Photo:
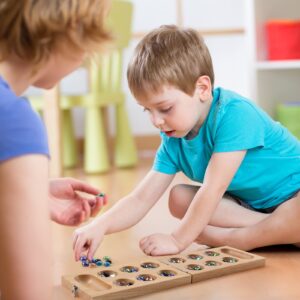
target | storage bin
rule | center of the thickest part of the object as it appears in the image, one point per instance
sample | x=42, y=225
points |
x=283, y=39
x=288, y=114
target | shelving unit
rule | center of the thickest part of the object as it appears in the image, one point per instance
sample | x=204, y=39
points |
x=278, y=65
x=272, y=82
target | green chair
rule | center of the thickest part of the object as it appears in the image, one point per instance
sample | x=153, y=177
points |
x=105, y=74
x=288, y=114
x=69, y=145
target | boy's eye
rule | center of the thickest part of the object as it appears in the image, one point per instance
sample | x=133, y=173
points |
x=165, y=110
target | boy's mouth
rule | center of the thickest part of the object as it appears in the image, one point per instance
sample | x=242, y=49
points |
x=169, y=132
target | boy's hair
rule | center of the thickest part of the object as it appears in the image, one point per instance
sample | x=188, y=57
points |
x=169, y=55
x=31, y=29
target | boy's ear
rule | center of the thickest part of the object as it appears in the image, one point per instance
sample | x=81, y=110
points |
x=203, y=88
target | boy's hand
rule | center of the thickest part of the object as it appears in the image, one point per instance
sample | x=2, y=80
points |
x=88, y=238
x=67, y=206
x=160, y=244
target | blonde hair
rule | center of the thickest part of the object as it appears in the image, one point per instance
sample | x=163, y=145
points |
x=169, y=55
x=31, y=29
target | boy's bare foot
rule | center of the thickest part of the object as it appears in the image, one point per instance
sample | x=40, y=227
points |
x=218, y=236
x=214, y=236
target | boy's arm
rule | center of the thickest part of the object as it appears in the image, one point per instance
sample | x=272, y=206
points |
x=125, y=213
x=219, y=173
x=132, y=208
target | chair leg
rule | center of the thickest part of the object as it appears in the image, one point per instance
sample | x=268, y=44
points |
x=70, y=153
x=125, y=149
x=96, y=159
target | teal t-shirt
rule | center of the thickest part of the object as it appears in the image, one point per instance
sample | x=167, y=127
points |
x=270, y=171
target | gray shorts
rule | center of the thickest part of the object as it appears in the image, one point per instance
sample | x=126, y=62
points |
x=268, y=210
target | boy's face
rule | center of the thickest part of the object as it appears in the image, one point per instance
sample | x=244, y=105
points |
x=174, y=112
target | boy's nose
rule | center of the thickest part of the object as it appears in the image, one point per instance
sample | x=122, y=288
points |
x=157, y=120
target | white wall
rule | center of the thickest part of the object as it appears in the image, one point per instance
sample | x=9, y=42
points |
x=228, y=51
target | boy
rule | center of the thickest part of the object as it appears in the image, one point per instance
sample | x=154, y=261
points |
x=40, y=42
x=215, y=137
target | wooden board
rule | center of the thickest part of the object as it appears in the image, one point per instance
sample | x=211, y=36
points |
x=92, y=286
x=214, y=262
x=103, y=282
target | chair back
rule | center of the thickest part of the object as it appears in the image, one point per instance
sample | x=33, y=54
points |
x=106, y=73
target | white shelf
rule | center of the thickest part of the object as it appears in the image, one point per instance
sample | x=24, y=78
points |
x=278, y=65
x=272, y=81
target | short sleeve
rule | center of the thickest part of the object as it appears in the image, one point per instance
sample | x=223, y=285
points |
x=22, y=130
x=240, y=127
x=163, y=161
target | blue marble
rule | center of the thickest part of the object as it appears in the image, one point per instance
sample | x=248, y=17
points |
x=83, y=258
x=107, y=264
x=85, y=263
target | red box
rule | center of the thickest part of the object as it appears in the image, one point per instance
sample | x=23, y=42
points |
x=283, y=39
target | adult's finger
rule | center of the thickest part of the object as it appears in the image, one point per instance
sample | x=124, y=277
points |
x=81, y=186
x=97, y=206
x=86, y=209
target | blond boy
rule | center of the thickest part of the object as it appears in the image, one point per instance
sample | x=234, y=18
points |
x=215, y=137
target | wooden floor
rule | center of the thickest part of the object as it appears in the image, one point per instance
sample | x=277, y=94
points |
x=279, y=279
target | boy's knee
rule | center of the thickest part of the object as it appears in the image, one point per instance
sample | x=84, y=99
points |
x=174, y=200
